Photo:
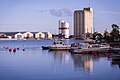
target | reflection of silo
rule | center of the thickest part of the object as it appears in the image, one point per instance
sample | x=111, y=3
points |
x=64, y=28
x=88, y=64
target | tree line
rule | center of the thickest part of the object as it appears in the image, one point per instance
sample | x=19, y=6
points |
x=113, y=36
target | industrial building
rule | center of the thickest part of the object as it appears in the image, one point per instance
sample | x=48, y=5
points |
x=83, y=23
x=64, y=28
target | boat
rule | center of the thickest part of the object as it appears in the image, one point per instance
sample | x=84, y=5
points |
x=59, y=46
x=92, y=48
x=45, y=47
x=114, y=50
x=76, y=46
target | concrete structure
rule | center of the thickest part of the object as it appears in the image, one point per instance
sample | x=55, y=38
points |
x=19, y=36
x=83, y=22
x=28, y=35
x=64, y=28
x=39, y=35
x=47, y=35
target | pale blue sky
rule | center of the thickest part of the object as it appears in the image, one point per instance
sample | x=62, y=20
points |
x=43, y=15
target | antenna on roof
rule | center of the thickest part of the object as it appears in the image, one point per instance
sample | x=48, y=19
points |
x=89, y=4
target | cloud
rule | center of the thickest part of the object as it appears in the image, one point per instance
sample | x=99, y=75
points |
x=57, y=13
x=61, y=12
x=42, y=11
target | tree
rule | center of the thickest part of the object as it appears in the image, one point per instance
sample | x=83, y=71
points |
x=94, y=35
x=106, y=35
x=115, y=32
x=97, y=36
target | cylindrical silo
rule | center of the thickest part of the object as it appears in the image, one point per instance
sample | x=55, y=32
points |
x=64, y=28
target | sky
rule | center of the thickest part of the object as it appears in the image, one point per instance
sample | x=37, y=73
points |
x=43, y=15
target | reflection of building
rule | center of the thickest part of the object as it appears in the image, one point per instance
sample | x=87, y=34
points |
x=83, y=62
x=78, y=61
x=88, y=64
x=116, y=63
x=83, y=22
x=62, y=56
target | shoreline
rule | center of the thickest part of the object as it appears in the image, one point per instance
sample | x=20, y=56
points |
x=31, y=39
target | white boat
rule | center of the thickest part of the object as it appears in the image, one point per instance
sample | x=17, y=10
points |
x=93, y=47
x=59, y=45
x=76, y=46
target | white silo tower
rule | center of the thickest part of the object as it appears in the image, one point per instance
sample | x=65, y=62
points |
x=64, y=28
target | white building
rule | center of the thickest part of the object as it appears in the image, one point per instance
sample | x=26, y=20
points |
x=48, y=35
x=39, y=35
x=19, y=36
x=64, y=28
x=9, y=37
x=28, y=35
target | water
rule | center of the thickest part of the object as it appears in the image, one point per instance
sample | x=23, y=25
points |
x=37, y=64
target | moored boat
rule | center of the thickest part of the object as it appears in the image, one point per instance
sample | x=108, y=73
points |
x=45, y=47
x=93, y=47
x=59, y=45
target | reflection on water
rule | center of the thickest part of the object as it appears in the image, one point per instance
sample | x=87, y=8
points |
x=61, y=56
x=79, y=61
x=83, y=62
x=116, y=63
x=88, y=64
x=37, y=64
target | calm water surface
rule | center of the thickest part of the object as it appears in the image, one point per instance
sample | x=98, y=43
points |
x=37, y=64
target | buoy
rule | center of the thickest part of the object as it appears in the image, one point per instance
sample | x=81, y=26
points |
x=10, y=50
x=4, y=47
x=104, y=55
x=17, y=48
x=98, y=55
x=14, y=50
x=7, y=47
x=109, y=56
x=23, y=49
x=82, y=52
x=87, y=53
x=90, y=52
x=94, y=54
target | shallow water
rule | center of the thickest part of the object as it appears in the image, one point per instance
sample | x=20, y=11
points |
x=37, y=64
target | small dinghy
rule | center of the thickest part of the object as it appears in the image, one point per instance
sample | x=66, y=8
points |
x=45, y=47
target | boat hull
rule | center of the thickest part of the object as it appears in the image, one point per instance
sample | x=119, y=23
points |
x=59, y=48
x=45, y=47
x=92, y=49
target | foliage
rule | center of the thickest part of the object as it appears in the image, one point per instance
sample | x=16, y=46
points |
x=115, y=36
x=97, y=36
x=107, y=36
